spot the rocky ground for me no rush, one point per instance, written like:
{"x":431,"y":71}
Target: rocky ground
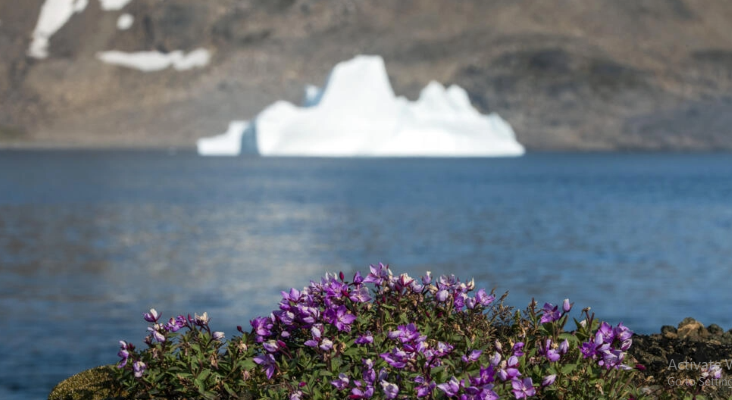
{"x":574,"y":75}
{"x":679,"y":353}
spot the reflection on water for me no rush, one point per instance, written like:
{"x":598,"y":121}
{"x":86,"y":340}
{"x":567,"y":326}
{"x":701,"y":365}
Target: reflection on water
{"x":90,"y":240}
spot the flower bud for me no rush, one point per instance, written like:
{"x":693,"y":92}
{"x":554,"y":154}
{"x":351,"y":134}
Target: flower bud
{"x":564,"y":347}
{"x":566,"y":306}
{"x":427,"y":279}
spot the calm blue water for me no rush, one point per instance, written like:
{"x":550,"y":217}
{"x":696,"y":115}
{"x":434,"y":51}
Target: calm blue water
{"x":91,"y":240}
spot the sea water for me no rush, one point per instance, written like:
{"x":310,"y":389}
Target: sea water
{"x":91,"y":240}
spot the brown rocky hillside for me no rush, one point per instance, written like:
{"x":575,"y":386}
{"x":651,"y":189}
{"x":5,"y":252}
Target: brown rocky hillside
{"x":567,"y":74}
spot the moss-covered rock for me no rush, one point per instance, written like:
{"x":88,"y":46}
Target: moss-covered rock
{"x":93,"y":384}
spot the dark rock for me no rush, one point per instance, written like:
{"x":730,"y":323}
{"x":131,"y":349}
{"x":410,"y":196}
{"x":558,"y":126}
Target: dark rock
{"x":668,"y":329}
{"x":715,"y":329}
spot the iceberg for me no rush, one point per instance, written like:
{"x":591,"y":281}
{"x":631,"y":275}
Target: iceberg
{"x":357,"y":114}
{"x":226,"y":144}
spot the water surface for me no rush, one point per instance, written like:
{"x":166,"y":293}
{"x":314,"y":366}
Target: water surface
{"x":91,"y":240}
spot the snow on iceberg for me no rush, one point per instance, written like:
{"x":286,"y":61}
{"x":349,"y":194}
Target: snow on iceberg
{"x":357,"y":114}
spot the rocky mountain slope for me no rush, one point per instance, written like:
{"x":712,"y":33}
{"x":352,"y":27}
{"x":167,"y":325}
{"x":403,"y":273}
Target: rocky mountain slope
{"x":567,"y":74}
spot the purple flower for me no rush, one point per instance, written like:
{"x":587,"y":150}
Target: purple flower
{"x":326,"y":344}
{"x":398,"y":358}
{"x":317,"y":332}
{"x":357,"y":278}
{"x":471,"y":303}
{"x":357,"y":393}
{"x":174,"y":325}
{"x":552,"y":355}
{"x":612,"y":359}
{"x":139,"y":367}
{"x":262,"y":326}
{"x":483,"y":298}
{"x":424,"y":388}
{"x":201,"y":320}
{"x":523,"y":389}
{"x":366,"y":338}
{"x":518,"y":349}
{"x":443,"y":349}
{"x":588,"y":349}
{"x":403,"y":281}
{"x":622,"y":333}
{"x":296,"y":395}
{"x":267,"y":362}
{"x":390,"y":390}
{"x":405,"y":333}
{"x":485,"y":377}
{"x":378,"y":274}
{"x":271,"y":346}
{"x":551,"y":313}
{"x":473,"y":356}
{"x":547,"y":351}
{"x":512,"y":371}
{"x":156,"y":333}
{"x":123,"y":353}
{"x":713,"y":371}
{"x":360,"y":295}
{"x":442,"y":295}
{"x":548,"y":380}
{"x":342,"y":382}
{"x":293,"y":296}
{"x":451,"y":387}
{"x":460,"y":301}
{"x":606,"y":332}
{"x":340,"y":317}
{"x":152,"y":316}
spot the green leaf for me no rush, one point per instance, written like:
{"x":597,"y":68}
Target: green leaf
{"x":247,"y":364}
{"x":335,"y":364}
{"x":203,"y":375}
{"x":567,"y":369}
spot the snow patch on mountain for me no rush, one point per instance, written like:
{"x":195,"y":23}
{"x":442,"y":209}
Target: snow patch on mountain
{"x":149,"y":61}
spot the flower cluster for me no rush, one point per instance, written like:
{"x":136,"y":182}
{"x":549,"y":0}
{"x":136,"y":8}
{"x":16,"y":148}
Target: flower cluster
{"x":400,"y":338}
{"x":609,"y":345}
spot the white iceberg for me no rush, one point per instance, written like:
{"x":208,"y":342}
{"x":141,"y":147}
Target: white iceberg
{"x":357,"y":114}
{"x":226,"y":144}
